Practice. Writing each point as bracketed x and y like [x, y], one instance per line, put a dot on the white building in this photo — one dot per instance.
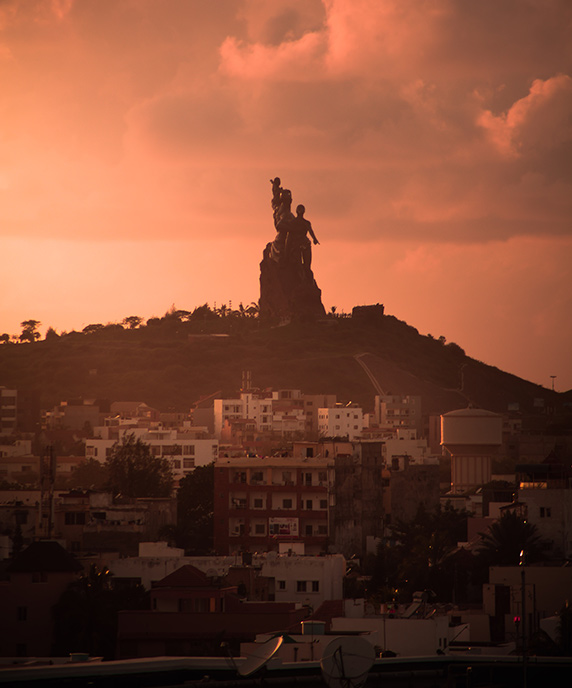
[302, 579]
[406, 444]
[340, 421]
[284, 412]
[185, 450]
[306, 580]
[406, 636]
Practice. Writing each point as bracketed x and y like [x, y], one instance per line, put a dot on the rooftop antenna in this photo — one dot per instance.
[553, 378]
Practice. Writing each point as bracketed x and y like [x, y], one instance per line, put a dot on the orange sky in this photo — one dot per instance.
[431, 143]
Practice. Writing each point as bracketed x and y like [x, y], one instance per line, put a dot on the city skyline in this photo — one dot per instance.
[431, 146]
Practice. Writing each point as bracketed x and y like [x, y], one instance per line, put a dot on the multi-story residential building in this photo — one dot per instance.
[184, 449]
[8, 410]
[359, 497]
[75, 414]
[411, 486]
[340, 421]
[37, 578]
[285, 412]
[406, 443]
[546, 491]
[392, 412]
[261, 502]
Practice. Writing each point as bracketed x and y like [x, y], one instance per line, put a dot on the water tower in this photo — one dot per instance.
[471, 437]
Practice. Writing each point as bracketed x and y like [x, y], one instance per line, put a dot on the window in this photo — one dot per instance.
[74, 518]
[300, 586]
[188, 463]
[308, 530]
[281, 585]
[322, 476]
[185, 605]
[286, 503]
[322, 530]
[323, 503]
[21, 517]
[240, 477]
[545, 512]
[202, 604]
[308, 478]
[315, 586]
[259, 529]
[258, 504]
[22, 613]
[309, 504]
[176, 463]
[257, 477]
[189, 449]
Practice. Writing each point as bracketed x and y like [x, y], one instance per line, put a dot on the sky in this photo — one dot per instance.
[430, 141]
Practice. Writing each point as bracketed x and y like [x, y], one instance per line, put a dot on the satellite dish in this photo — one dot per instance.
[346, 662]
[260, 657]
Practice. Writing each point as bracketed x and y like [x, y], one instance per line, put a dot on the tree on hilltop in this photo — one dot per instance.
[135, 472]
[30, 330]
[132, 321]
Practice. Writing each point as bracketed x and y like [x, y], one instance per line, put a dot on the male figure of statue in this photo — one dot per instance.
[298, 236]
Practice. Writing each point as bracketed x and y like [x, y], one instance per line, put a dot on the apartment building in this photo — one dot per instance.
[260, 502]
[340, 421]
[8, 410]
[392, 412]
[184, 449]
[285, 412]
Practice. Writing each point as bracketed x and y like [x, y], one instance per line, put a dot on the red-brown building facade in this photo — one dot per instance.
[261, 502]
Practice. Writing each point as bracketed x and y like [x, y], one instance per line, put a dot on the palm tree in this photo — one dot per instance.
[506, 538]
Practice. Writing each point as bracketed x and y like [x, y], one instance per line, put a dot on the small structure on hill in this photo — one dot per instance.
[288, 289]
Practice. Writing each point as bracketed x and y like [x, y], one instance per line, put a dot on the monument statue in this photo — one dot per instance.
[287, 285]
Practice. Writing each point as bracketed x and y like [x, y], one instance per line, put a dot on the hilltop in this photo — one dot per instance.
[172, 362]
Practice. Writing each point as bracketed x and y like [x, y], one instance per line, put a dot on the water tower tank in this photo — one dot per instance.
[471, 426]
[471, 437]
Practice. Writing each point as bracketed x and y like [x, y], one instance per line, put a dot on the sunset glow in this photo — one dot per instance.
[431, 144]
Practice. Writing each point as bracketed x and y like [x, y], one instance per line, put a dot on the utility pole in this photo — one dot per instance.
[523, 591]
[47, 476]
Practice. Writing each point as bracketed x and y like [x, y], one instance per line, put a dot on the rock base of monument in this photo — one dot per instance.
[288, 291]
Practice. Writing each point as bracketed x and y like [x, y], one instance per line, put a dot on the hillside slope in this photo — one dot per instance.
[171, 363]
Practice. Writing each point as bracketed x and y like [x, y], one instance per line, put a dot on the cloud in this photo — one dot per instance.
[535, 125]
[441, 120]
